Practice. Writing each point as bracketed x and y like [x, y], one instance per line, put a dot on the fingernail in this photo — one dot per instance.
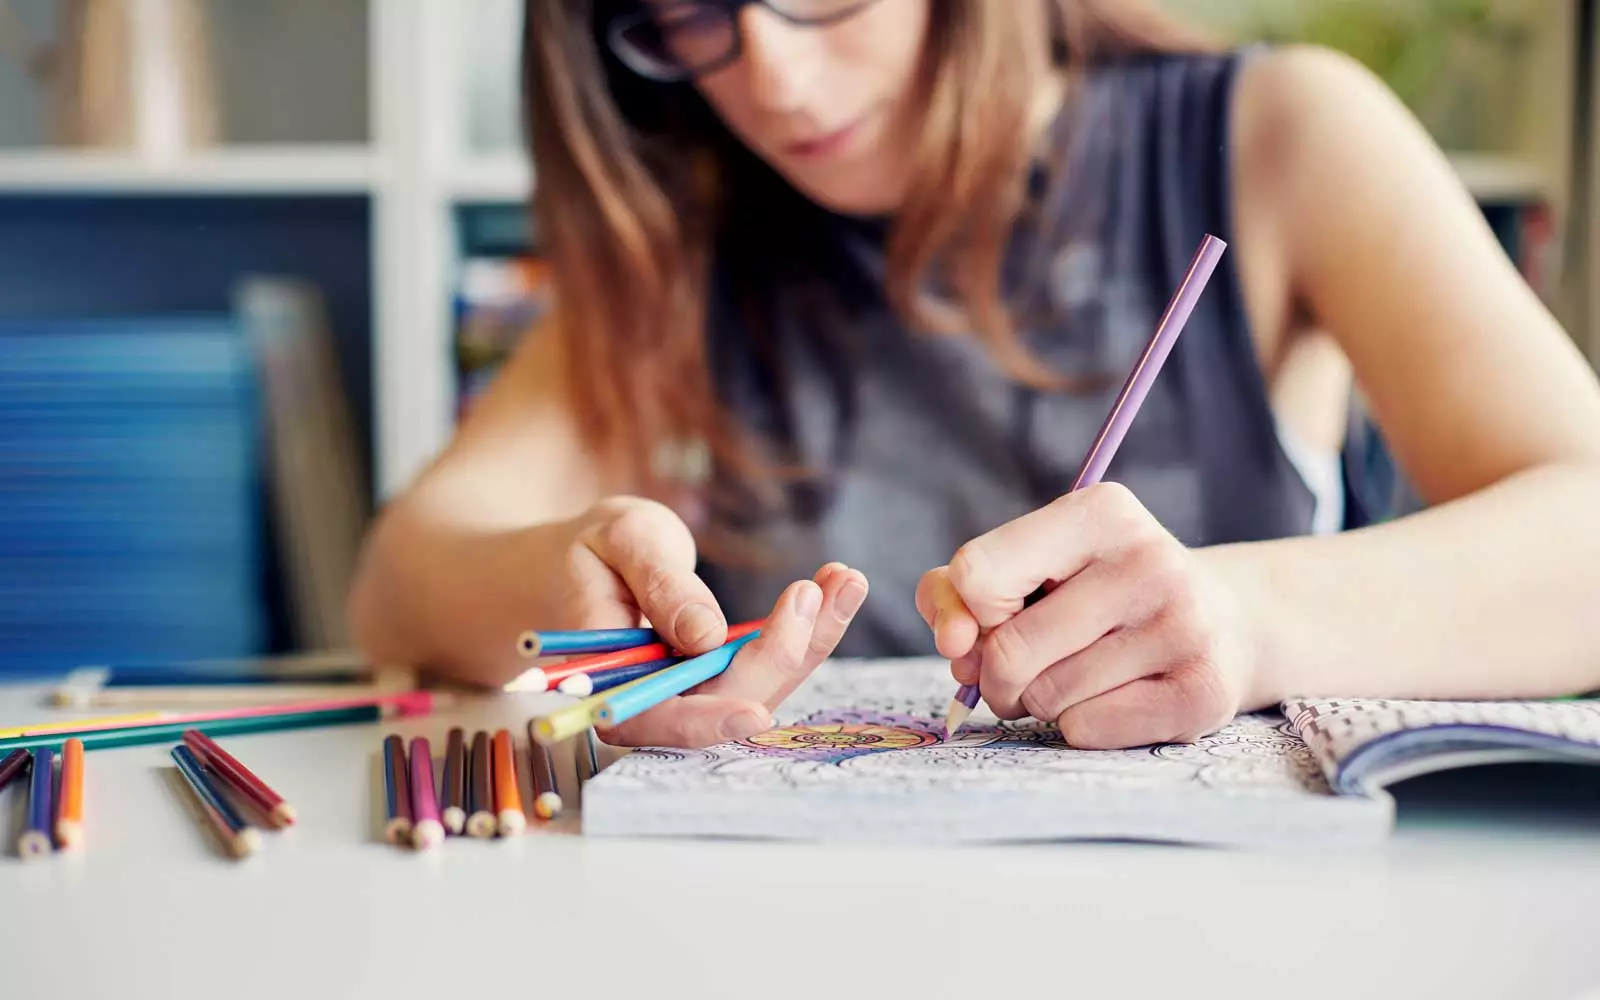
[851, 596]
[743, 725]
[694, 624]
[808, 602]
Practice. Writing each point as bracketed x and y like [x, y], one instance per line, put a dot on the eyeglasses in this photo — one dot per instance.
[675, 40]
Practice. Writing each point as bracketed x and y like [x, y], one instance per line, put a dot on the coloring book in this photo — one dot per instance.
[858, 755]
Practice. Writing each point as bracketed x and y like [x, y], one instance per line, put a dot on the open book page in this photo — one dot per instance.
[858, 754]
[1361, 743]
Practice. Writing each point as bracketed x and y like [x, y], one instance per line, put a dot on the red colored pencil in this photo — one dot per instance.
[240, 778]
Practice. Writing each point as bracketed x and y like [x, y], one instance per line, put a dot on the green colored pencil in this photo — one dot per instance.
[161, 732]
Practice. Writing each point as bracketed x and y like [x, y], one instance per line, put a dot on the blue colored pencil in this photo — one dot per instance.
[239, 836]
[584, 685]
[35, 841]
[601, 640]
[651, 691]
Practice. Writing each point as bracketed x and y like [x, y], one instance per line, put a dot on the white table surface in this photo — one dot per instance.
[1474, 897]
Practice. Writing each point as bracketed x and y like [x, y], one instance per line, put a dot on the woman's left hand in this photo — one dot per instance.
[1136, 642]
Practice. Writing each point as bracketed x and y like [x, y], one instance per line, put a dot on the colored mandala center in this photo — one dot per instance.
[835, 736]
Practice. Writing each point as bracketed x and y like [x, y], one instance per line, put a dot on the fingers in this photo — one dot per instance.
[690, 722]
[1178, 707]
[1107, 596]
[805, 627]
[994, 573]
[653, 551]
[1115, 660]
[955, 629]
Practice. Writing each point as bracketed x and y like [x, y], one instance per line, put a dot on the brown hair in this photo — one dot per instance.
[634, 177]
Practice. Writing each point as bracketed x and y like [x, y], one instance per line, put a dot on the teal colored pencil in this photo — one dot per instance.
[644, 694]
[162, 732]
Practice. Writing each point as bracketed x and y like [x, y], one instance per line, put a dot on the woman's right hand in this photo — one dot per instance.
[628, 562]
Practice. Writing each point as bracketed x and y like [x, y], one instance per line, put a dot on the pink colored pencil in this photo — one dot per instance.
[427, 829]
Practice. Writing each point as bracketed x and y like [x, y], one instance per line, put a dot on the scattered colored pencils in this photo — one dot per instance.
[240, 778]
[480, 797]
[396, 791]
[239, 837]
[454, 814]
[507, 797]
[35, 840]
[1123, 411]
[69, 814]
[546, 793]
[426, 828]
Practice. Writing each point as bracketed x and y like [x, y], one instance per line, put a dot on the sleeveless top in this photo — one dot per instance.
[918, 443]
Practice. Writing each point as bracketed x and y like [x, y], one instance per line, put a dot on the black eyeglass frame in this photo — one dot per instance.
[650, 68]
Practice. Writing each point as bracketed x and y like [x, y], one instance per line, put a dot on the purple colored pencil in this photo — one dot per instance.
[1125, 409]
[427, 829]
[15, 763]
[35, 841]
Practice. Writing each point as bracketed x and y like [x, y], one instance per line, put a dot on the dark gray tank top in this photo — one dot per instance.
[918, 443]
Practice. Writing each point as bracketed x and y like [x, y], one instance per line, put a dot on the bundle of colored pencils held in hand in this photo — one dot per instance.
[622, 673]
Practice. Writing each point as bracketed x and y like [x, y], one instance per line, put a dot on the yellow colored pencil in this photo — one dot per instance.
[573, 719]
[72, 725]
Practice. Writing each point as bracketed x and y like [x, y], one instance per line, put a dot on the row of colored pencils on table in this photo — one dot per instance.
[219, 781]
[479, 794]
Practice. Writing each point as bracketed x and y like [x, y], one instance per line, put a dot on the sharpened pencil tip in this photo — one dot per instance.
[547, 805]
[426, 834]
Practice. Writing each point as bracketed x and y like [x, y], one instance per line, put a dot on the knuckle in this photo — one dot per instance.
[969, 568]
[1007, 652]
[1208, 704]
[1161, 565]
[1044, 698]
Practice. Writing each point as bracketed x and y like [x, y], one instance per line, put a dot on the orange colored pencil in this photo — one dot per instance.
[69, 816]
[507, 798]
[553, 676]
[240, 778]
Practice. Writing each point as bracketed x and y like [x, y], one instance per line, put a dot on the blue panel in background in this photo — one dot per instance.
[130, 492]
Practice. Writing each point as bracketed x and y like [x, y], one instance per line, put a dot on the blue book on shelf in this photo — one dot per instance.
[129, 492]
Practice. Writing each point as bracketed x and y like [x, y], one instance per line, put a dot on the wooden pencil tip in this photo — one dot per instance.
[512, 822]
[283, 814]
[481, 824]
[578, 686]
[32, 845]
[398, 831]
[426, 834]
[528, 644]
[455, 818]
[547, 805]
[69, 835]
[246, 842]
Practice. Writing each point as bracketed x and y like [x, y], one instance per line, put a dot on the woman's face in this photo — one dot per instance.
[830, 107]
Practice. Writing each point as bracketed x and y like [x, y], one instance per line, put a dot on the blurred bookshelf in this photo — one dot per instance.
[368, 154]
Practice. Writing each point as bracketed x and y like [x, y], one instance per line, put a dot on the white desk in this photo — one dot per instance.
[1454, 907]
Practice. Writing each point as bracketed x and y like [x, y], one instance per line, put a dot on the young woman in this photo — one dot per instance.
[851, 283]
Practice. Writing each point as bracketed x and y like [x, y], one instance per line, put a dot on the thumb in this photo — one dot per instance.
[653, 552]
